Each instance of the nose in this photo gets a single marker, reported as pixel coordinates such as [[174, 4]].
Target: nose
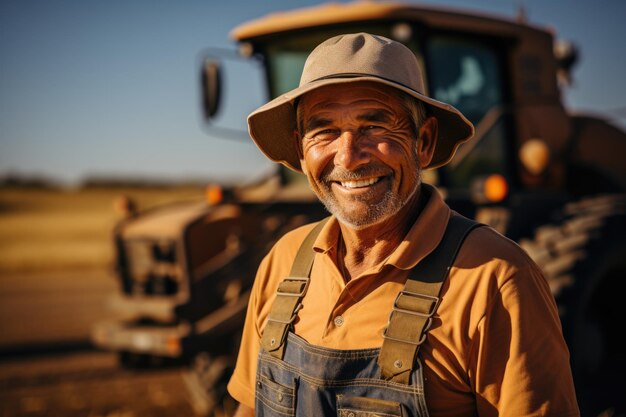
[[350, 153]]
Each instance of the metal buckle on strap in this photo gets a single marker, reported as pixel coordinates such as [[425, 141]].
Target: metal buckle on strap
[[431, 311], [291, 319], [428, 316], [306, 281], [429, 322]]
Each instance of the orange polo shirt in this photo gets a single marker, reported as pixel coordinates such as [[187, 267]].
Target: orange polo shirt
[[495, 347]]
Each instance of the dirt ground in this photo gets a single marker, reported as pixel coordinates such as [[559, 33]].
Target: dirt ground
[[90, 384], [40, 309]]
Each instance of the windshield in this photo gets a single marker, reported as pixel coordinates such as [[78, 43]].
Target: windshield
[[286, 57], [467, 74]]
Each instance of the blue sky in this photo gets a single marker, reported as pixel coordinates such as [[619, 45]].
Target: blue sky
[[111, 87]]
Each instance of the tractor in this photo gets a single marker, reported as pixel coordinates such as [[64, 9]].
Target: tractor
[[548, 179]]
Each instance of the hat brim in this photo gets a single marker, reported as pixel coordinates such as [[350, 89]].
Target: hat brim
[[272, 126]]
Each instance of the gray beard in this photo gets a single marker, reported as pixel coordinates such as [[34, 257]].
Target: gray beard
[[385, 208]]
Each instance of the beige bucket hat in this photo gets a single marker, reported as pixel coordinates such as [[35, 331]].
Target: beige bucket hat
[[346, 59]]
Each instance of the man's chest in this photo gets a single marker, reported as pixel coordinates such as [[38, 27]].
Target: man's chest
[[348, 316]]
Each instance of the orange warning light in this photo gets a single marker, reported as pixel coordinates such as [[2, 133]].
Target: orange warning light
[[496, 188], [173, 345], [213, 194]]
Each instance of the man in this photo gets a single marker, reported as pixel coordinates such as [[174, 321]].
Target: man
[[358, 315]]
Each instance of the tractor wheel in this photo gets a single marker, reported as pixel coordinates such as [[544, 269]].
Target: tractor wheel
[[583, 257]]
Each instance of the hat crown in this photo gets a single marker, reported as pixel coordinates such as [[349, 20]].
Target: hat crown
[[363, 54]]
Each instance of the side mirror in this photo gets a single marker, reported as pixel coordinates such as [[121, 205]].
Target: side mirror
[[211, 88], [231, 86]]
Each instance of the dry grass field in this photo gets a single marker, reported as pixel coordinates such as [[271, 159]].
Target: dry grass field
[[52, 229]]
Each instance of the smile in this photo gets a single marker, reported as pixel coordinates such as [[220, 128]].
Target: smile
[[360, 183]]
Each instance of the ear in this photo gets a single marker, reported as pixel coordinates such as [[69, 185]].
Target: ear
[[298, 146], [427, 141]]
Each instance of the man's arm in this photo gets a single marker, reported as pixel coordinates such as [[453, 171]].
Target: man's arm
[[244, 411]]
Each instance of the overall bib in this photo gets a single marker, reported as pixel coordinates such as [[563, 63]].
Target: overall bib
[[295, 378]]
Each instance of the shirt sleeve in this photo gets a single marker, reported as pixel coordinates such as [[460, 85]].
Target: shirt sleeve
[[521, 362]]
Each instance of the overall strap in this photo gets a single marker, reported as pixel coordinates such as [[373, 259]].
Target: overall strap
[[289, 296], [414, 307]]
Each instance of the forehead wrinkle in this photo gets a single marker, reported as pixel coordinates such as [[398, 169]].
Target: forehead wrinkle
[[326, 113], [378, 115], [373, 105]]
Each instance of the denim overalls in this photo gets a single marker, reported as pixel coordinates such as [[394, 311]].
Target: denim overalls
[[295, 378]]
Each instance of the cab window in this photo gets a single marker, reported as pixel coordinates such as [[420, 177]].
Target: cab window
[[468, 75]]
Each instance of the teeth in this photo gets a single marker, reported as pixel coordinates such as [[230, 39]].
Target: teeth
[[359, 184]]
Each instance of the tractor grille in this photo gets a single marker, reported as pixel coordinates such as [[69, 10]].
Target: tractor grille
[[151, 267]]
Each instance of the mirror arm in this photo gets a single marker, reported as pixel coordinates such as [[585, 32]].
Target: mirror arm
[[489, 120]]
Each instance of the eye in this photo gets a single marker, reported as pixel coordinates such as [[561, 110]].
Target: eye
[[322, 135], [373, 129]]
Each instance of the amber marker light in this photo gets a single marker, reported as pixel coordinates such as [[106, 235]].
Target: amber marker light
[[495, 188], [213, 194], [173, 346]]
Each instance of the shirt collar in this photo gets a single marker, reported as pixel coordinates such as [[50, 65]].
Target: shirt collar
[[421, 240]]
